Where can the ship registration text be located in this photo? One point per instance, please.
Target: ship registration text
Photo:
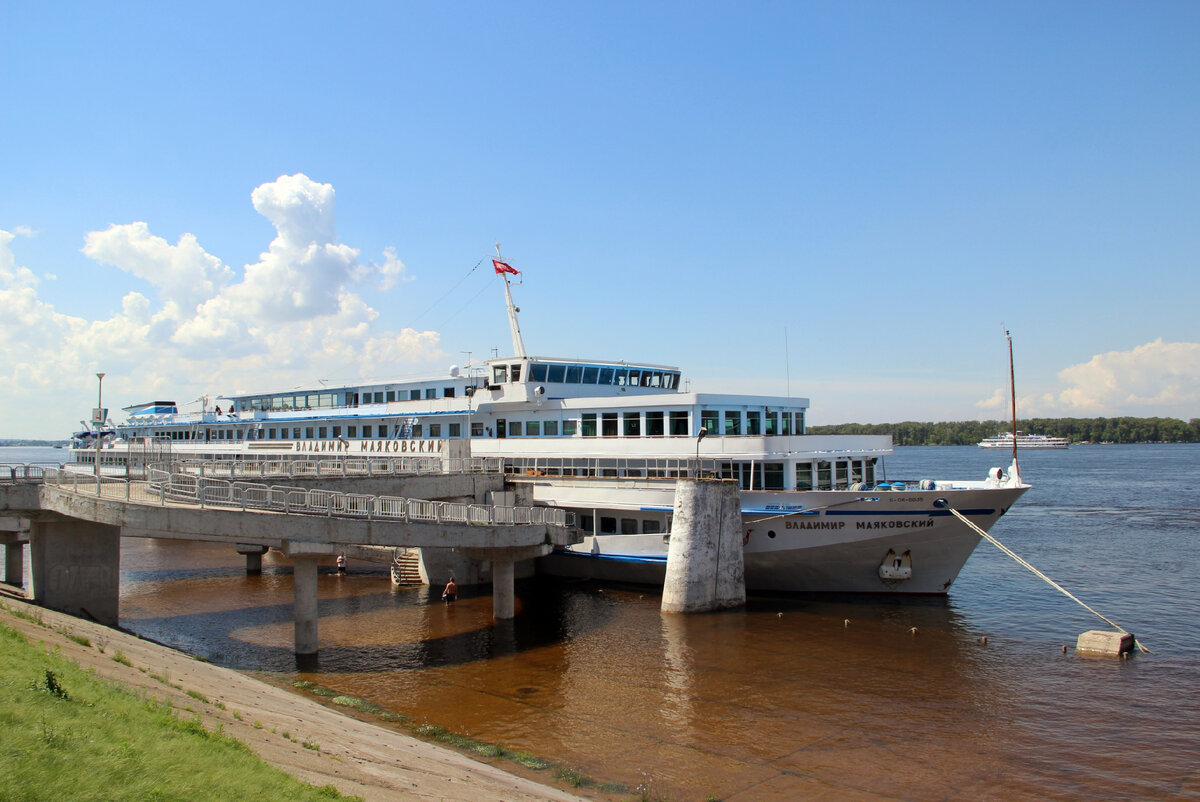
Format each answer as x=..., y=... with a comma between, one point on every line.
x=893, y=524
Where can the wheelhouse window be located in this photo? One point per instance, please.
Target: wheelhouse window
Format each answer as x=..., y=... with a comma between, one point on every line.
x=589, y=375
x=499, y=374
x=679, y=424
x=537, y=372
x=769, y=427
x=754, y=422
x=708, y=421
x=574, y=374
x=555, y=373
x=733, y=422
x=606, y=376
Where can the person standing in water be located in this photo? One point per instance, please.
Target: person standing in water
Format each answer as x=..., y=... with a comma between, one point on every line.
x=451, y=591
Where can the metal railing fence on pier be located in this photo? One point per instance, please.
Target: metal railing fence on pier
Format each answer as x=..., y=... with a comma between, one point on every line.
x=207, y=491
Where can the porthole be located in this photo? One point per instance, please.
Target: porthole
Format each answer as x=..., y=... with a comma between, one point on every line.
x=771, y=534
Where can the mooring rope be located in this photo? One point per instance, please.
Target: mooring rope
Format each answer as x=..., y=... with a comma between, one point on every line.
x=1021, y=561
x=813, y=509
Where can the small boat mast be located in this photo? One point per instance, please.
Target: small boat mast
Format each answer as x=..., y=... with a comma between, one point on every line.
x=504, y=269
x=1012, y=389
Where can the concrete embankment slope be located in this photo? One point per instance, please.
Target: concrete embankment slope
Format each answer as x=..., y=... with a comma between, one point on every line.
x=356, y=757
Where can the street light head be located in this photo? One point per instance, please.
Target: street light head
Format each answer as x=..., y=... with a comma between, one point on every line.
x=100, y=376
x=700, y=435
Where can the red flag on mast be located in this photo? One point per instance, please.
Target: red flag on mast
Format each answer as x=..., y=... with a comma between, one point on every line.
x=504, y=267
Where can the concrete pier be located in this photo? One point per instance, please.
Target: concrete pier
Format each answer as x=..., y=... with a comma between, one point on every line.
x=254, y=554
x=14, y=563
x=304, y=605
x=503, y=590
x=705, y=570
x=77, y=567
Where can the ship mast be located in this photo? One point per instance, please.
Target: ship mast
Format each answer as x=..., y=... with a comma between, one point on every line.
x=513, y=325
x=1012, y=386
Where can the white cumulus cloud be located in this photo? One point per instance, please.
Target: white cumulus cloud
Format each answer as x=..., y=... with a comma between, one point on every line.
x=294, y=315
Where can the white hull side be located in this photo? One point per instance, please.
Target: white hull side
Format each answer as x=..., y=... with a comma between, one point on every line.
x=834, y=550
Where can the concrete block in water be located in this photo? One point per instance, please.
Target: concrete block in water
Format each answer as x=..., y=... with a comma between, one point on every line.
x=1099, y=641
x=704, y=557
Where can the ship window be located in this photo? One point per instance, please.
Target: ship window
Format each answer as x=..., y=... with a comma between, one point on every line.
x=769, y=421
x=550, y=428
x=499, y=374
x=629, y=526
x=651, y=527
x=824, y=475
x=352, y=431
x=239, y=434
x=869, y=473
x=733, y=423
x=366, y=432
x=635, y=378
x=515, y=429
x=308, y=432
x=555, y=373
x=416, y=431
x=620, y=377
x=772, y=475
x=651, y=378
x=754, y=422
x=431, y=392
x=476, y=429
x=708, y=421
x=447, y=392
x=787, y=424
x=537, y=372
x=804, y=476
x=296, y=433
x=606, y=376
x=800, y=422
x=654, y=424
x=608, y=424
x=532, y=428
x=435, y=430
x=679, y=424
x=608, y=526
x=589, y=424
x=574, y=374
x=633, y=424
x=337, y=431
x=391, y=395
x=589, y=375
x=414, y=395
x=322, y=432
x=569, y=428
x=586, y=522
x=515, y=370
x=455, y=430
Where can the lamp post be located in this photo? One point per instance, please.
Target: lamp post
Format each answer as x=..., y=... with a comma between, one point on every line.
x=98, y=418
x=699, y=437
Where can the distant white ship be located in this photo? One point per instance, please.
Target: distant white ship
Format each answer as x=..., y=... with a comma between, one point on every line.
x=1005, y=440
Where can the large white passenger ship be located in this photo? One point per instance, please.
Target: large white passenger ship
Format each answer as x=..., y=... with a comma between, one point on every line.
x=606, y=439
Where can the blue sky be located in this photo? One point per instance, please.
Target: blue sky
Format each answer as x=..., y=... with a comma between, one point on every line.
x=849, y=201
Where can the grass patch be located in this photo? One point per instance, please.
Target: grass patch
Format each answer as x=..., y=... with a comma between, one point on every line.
x=197, y=696
x=119, y=657
x=80, y=639
x=68, y=735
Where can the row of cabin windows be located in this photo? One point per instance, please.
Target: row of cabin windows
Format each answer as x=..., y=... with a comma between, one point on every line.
x=365, y=432
x=612, y=376
x=752, y=422
x=628, y=526
x=815, y=475
x=350, y=399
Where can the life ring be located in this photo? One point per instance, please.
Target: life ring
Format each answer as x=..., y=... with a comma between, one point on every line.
x=746, y=537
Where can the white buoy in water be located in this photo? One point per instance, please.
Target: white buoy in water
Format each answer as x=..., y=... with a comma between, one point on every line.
x=1102, y=642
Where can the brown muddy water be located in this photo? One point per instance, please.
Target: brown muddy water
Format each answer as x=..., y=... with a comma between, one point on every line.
x=789, y=697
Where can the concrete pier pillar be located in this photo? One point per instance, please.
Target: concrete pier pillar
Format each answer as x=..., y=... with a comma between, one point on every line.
x=76, y=568
x=14, y=563
x=503, y=591
x=705, y=570
x=254, y=555
x=304, y=605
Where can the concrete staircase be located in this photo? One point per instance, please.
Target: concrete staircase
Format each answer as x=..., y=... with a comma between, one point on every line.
x=406, y=568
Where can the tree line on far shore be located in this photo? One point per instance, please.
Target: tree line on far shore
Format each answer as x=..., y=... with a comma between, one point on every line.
x=1077, y=430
